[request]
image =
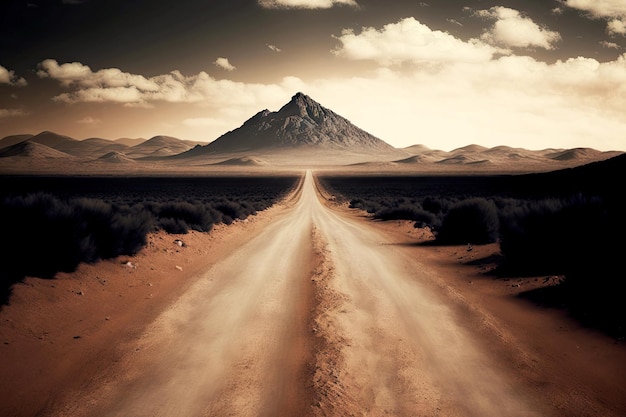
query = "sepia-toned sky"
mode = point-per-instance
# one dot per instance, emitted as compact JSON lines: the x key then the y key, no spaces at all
{"x":526,"y":73}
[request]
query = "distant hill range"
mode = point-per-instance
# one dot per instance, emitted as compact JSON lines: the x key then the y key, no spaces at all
{"x":302,"y":133}
{"x":94,"y":148}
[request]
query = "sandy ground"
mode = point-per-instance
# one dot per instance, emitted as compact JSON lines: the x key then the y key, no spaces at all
{"x":307,"y":309}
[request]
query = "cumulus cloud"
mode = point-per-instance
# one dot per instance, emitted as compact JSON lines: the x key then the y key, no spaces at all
{"x":610,"y":45}
{"x":616,"y":26}
{"x":111,"y":85}
{"x":305,"y":4}
{"x":9,"y":77}
{"x":224,"y":63}
{"x":409,"y":41}
{"x":511,"y":99}
{"x":473,"y":95}
{"x":613,"y":11}
{"x":77,"y":74}
{"x":6,"y":113}
{"x":599,"y":8}
{"x":273,"y":47}
{"x":512,"y":29}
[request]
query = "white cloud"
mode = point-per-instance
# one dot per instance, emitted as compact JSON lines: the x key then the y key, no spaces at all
{"x":6,"y":113}
{"x":410,"y":41}
{"x":613,"y":11}
{"x":9,"y":77}
{"x":515,"y":100}
{"x":610,"y":45}
{"x":273,"y":47}
{"x":305,"y":4}
{"x":456,"y":22}
{"x":102,"y":95}
{"x":224,"y":63}
{"x":512,"y":100}
{"x":599,"y":8}
{"x":77,"y":74}
{"x":512,"y":29}
{"x":472,"y":96}
{"x":557,"y":11}
{"x":111,"y":85}
{"x":616,"y":26}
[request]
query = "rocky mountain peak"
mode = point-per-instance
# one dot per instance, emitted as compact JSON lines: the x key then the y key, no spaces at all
{"x":303,"y":106}
{"x":302,"y":122}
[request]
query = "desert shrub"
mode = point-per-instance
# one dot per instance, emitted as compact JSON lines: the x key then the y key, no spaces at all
{"x":44,"y":235}
{"x":414,"y":213}
{"x":182,"y":215}
{"x":432,"y":204}
{"x":84,"y":219}
{"x":172,"y":225}
{"x":230,"y":210}
{"x":112,"y":230}
{"x":371,"y":206}
{"x":578,"y":237}
{"x":39,"y":226}
{"x":557,"y":236}
{"x":474,"y":220}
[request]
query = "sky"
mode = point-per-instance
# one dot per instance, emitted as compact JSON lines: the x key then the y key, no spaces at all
{"x":533,"y":74}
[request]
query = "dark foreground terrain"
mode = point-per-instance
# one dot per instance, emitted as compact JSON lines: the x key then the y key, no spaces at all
{"x":566,"y":223}
{"x":52,"y":224}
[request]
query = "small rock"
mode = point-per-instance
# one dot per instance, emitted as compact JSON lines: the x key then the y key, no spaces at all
{"x":180,"y":268}
{"x":76,"y":337}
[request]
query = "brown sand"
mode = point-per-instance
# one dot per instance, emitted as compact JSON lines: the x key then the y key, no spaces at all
{"x":351,"y":350}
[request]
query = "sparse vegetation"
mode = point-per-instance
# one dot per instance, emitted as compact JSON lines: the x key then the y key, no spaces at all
{"x":87,"y":219}
{"x":473,"y":220}
{"x":545,"y":225}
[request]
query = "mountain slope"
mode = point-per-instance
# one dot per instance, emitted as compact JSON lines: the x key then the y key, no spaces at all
{"x":13,"y":140}
{"x":159,"y":146}
{"x":90,"y":148}
{"x":301,"y":123}
{"x":52,"y":140}
{"x":34,"y":151}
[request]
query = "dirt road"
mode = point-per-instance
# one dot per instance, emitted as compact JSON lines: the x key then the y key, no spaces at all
{"x":318,"y":315}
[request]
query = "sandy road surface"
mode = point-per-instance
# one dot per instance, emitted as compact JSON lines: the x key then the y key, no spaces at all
{"x":315,"y":316}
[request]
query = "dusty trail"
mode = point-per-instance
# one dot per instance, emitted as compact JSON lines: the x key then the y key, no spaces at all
{"x":313,"y":317}
{"x":404,"y":353}
{"x":232,"y":345}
